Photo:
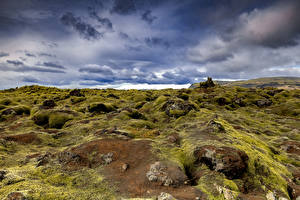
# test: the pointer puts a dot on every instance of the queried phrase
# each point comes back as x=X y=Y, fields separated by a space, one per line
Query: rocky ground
x=210 y=142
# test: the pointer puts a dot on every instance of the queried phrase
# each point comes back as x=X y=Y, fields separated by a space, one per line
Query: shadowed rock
x=229 y=161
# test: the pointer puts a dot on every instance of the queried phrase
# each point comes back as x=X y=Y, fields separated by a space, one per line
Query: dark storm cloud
x=102 y=20
x=149 y=41
x=123 y=7
x=14 y=62
x=3 y=54
x=86 y=30
x=148 y=17
x=53 y=65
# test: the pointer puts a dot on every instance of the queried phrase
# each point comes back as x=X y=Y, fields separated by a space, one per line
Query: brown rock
x=16 y=196
x=229 y=161
x=294 y=191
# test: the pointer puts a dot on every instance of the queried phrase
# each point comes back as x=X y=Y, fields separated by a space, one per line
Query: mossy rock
x=5 y=102
x=51 y=119
x=41 y=118
x=16 y=110
x=100 y=108
x=57 y=120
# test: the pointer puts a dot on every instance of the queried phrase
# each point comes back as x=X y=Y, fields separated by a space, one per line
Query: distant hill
x=277 y=82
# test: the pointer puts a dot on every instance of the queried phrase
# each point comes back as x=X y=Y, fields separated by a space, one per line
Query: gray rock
x=165 y=196
x=107 y=158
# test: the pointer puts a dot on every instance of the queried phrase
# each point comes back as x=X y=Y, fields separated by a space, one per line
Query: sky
x=146 y=43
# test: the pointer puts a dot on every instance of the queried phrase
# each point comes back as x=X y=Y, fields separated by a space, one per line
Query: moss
x=141 y=124
x=57 y=120
x=2 y=107
x=41 y=118
x=100 y=108
x=5 y=102
x=75 y=100
x=22 y=110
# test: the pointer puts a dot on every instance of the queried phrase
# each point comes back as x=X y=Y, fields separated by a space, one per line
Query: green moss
x=5 y=102
x=100 y=108
x=141 y=124
x=57 y=120
x=22 y=110
x=41 y=118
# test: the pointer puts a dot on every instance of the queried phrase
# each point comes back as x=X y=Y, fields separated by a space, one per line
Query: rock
x=16 y=196
x=124 y=167
x=263 y=103
x=107 y=158
x=207 y=84
x=112 y=96
x=166 y=175
x=177 y=108
x=291 y=147
x=216 y=126
x=66 y=157
x=240 y=102
x=76 y=93
x=8 y=111
x=270 y=196
x=229 y=161
x=43 y=159
x=2 y=175
x=228 y=194
x=294 y=191
x=174 y=138
x=165 y=196
x=49 y=104
x=112 y=131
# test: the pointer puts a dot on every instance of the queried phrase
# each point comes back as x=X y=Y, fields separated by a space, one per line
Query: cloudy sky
x=139 y=43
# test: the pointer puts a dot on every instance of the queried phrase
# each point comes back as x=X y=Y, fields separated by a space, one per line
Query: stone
x=166 y=175
x=216 y=126
x=66 y=157
x=228 y=194
x=107 y=158
x=76 y=93
x=177 y=108
x=124 y=167
x=229 y=161
x=165 y=196
x=2 y=175
x=16 y=196
x=263 y=103
x=270 y=196
x=49 y=104
x=294 y=191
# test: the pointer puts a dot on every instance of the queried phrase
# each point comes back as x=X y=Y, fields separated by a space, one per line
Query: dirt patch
x=27 y=138
x=125 y=165
x=291 y=147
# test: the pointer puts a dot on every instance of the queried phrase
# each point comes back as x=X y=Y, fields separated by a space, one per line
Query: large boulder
x=229 y=161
